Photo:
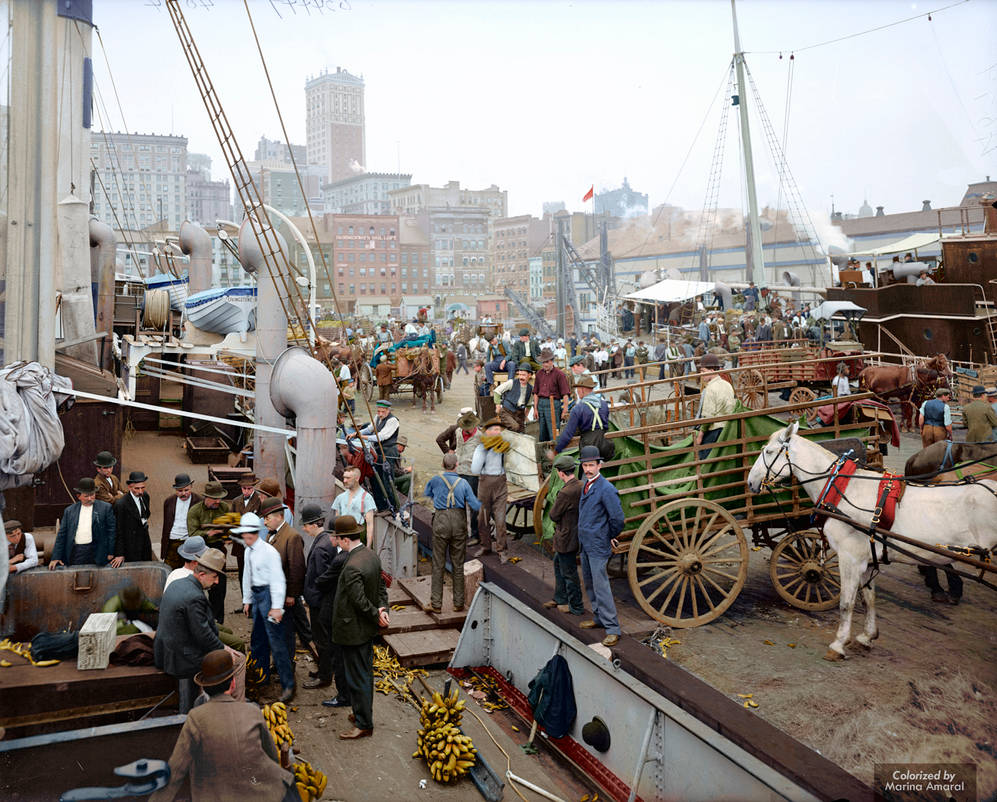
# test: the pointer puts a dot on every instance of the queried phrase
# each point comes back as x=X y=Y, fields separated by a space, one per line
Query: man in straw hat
x=224 y=750
x=200 y=520
x=187 y=630
x=264 y=591
x=551 y=392
x=108 y=485
x=175 y=510
x=86 y=530
x=131 y=513
x=360 y=610
x=600 y=521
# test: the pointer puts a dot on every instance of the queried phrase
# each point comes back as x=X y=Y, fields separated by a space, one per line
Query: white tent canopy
x=829 y=309
x=908 y=244
x=671 y=290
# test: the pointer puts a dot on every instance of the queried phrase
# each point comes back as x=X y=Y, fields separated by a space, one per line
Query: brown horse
x=423 y=378
x=906 y=383
x=947 y=457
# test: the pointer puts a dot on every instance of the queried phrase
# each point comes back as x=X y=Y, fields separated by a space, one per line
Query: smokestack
x=102 y=247
x=926 y=206
x=879 y=212
x=195 y=243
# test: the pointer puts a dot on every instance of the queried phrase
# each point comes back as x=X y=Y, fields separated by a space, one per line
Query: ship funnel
x=302 y=388
x=103 y=243
x=792 y=280
x=195 y=243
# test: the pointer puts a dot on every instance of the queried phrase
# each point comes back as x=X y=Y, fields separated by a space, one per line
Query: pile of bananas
x=276 y=718
x=449 y=753
x=489 y=694
x=496 y=443
x=22 y=650
x=387 y=669
x=228 y=519
x=311 y=782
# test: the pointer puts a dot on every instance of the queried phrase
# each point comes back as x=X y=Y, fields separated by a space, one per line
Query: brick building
x=334 y=123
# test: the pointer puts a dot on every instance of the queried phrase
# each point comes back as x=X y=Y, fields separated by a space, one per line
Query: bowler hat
x=214 y=490
x=192 y=548
x=86 y=485
x=136 y=477
x=596 y=734
x=105 y=459
x=11 y=525
x=347 y=526
x=524 y=332
x=526 y=367
x=589 y=454
x=216 y=667
x=182 y=480
x=564 y=463
x=546 y=355
x=271 y=504
x=978 y=389
x=213 y=559
x=248 y=480
x=312 y=514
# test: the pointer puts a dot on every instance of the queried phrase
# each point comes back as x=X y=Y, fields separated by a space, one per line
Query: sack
x=55 y=645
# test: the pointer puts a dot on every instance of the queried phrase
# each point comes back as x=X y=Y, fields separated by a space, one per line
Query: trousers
x=473 y=482
x=298 y=625
x=321 y=617
x=547 y=422
x=449 y=535
x=567 y=586
x=493 y=493
x=270 y=639
x=600 y=592
x=932 y=434
x=358 y=671
x=514 y=420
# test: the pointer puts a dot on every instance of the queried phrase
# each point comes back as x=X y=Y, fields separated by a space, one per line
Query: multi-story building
x=514 y=241
x=334 y=123
x=622 y=202
x=536 y=279
x=273 y=150
x=418 y=198
x=142 y=179
x=365 y=193
x=458 y=238
x=207 y=200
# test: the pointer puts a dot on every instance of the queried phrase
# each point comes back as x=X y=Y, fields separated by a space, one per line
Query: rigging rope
x=785 y=139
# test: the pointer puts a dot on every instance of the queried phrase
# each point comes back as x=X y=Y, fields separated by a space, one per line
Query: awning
x=671 y=290
x=905 y=245
x=829 y=309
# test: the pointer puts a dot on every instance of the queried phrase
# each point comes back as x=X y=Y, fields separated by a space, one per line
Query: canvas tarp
x=908 y=244
x=671 y=290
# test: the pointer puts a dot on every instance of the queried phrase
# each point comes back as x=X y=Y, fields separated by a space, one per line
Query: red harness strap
x=891 y=489
x=835 y=486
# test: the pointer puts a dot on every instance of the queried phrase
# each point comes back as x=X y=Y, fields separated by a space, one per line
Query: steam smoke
x=356 y=167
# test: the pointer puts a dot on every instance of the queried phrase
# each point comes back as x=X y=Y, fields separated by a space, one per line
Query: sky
x=546 y=98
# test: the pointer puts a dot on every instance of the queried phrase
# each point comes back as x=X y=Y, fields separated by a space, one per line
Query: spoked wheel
x=804 y=395
x=687 y=562
x=751 y=389
x=805 y=572
x=439 y=389
x=367 y=381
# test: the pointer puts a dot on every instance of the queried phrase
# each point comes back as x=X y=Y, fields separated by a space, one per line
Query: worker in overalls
x=452 y=498
x=589 y=419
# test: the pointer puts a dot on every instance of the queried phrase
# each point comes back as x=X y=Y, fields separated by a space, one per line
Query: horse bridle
x=783 y=447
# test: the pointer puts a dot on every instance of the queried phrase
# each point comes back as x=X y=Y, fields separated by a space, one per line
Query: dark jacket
x=187 y=629
x=564 y=514
x=600 y=517
x=447 y=439
x=552 y=697
x=291 y=549
x=320 y=557
x=518 y=351
x=360 y=594
x=169 y=514
x=132 y=541
x=102 y=528
x=328 y=581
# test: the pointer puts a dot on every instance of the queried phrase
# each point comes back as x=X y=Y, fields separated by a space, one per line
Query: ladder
x=278 y=266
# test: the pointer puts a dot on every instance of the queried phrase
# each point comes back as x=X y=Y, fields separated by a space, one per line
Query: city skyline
x=463 y=91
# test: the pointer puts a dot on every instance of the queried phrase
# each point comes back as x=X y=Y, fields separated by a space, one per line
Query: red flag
x=588 y=195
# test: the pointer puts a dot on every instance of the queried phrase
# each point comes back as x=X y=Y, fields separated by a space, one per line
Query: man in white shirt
x=175 y=510
x=263 y=596
x=86 y=530
x=356 y=501
x=189 y=551
x=717 y=400
x=21 y=552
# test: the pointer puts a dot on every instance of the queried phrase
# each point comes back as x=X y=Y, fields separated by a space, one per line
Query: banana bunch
x=311 y=782
x=448 y=753
x=24 y=651
x=276 y=718
x=228 y=519
x=254 y=671
x=496 y=443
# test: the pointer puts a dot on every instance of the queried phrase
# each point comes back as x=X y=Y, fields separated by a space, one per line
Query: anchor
x=147 y=776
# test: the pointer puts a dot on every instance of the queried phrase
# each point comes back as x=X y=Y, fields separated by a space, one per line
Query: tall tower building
x=334 y=123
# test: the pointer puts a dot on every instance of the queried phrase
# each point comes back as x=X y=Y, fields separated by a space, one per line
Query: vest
x=390 y=441
x=934 y=413
x=510 y=396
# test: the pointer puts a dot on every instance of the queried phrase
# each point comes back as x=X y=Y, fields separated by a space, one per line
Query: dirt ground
x=927 y=692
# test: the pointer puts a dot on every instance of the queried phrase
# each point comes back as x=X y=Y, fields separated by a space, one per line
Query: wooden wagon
x=804 y=368
x=403 y=361
x=686 y=515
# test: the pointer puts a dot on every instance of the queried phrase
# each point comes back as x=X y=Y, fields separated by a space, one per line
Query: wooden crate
x=97 y=638
x=206 y=450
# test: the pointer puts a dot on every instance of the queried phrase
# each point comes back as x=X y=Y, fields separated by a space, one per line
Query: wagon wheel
x=538 y=508
x=687 y=562
x=800 y=574
x=751 y=389
x=439 y=389
x=367 y=381
x=804 y=395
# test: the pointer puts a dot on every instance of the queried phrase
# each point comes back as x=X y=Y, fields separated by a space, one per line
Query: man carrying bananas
x=488 y=464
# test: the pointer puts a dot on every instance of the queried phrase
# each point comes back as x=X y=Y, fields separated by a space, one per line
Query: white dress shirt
x=138 y=503
x=30 y=553
x=84 y=528
x=177 y=573
x=262 y=567
x=179 y=530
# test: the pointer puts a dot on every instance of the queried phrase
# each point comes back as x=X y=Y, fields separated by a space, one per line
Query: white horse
x=958 y=515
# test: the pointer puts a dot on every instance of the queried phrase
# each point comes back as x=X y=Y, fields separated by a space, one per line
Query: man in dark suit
x=324 y=550
x=525 y=349
x=361 y=607
x=175 y=510
x=86 y=530
x=131 y=513
x=187 y=629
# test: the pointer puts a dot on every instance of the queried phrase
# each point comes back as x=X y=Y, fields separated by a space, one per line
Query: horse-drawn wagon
x=801 y=366
x=415 y=368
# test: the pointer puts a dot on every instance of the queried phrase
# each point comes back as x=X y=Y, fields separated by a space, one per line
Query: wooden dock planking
x=425 y=648
x=411 y=619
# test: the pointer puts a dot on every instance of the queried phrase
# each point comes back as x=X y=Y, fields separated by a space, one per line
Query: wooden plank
x=411 y=619
x=423 y=648
x=397 y=595
x=418 y=589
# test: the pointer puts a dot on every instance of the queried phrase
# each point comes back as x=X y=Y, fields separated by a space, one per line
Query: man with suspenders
x=589 y=419
x=452 y=496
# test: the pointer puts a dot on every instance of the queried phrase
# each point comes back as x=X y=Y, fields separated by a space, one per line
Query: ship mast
x=755 y=261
